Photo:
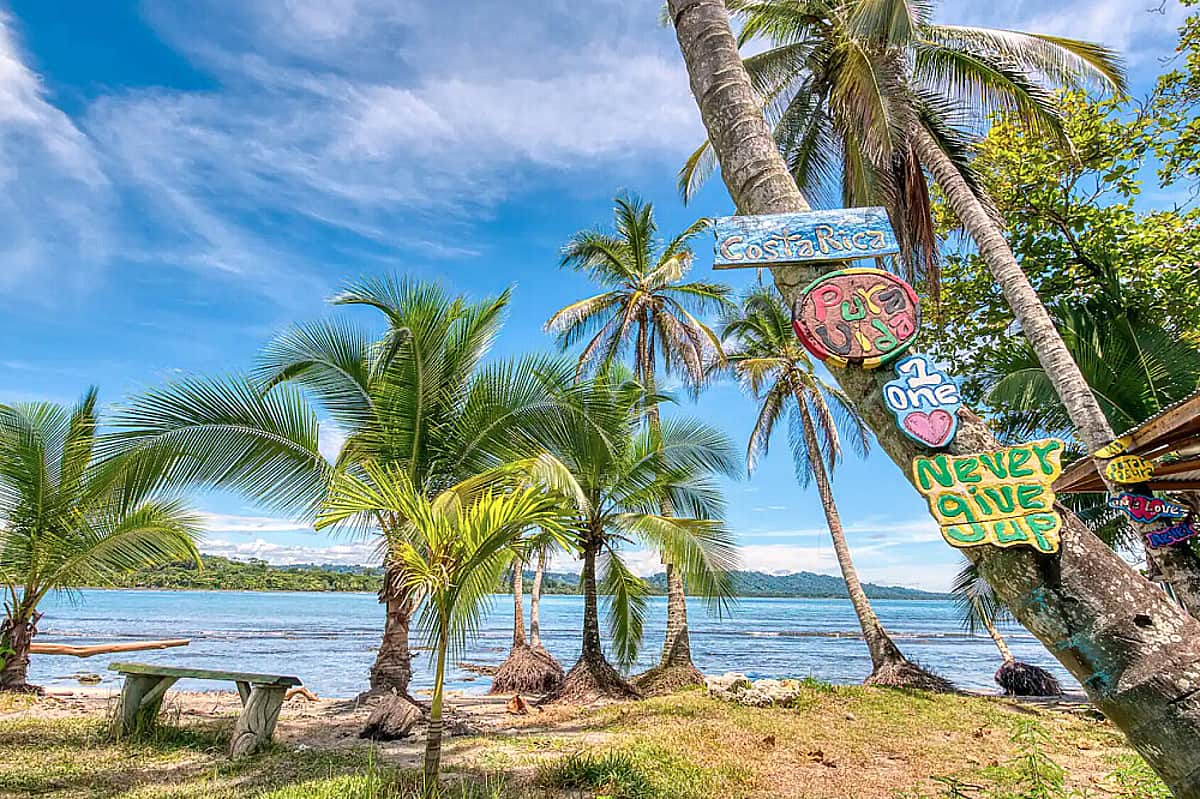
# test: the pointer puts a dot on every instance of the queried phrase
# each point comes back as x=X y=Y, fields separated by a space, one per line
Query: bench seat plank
x=150 y=669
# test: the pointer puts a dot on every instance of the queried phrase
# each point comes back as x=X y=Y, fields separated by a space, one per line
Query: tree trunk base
x=22 y=688
x=1022 y=679
x=528 y=670
x=588 y=681
x=662 y=680
x=908 y=675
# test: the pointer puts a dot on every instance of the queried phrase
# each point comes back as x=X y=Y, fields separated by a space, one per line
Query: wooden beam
x=204 y=674
x=104 y=649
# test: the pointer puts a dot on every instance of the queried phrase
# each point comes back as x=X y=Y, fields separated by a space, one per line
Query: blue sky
x=181 y=181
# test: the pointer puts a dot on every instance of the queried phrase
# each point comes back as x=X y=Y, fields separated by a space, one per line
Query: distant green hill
x=257 y=575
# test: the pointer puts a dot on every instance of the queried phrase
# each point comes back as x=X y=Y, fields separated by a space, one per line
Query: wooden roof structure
x=1170 y=440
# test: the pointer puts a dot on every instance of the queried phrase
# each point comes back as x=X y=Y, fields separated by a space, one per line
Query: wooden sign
x=924 y=400
x=842 y=235
x=1172 y=535
x=1129 y=469
x=1146 y=509
x=1002 y=498
x=864 y=317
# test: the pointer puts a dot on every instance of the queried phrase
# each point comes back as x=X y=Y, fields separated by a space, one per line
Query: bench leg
x=256 y=725
x=244 y=692
x=141 y=698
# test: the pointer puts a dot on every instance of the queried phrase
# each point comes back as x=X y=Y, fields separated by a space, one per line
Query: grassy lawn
x=836 y=742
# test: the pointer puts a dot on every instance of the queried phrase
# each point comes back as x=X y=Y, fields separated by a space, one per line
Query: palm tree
x=625 y=471
x=877 y=83
x=450 y=549
x=529 y=668
x=1136 y=368
x=645 y=306
x=775 y=369
x=69 y=518
x=979 y=609
x=1084 y=599
x=419 y=397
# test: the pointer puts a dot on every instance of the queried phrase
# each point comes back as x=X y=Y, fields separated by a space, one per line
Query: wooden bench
x=262 y=697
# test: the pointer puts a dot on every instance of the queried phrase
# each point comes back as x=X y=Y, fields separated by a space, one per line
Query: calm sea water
x=329 y=639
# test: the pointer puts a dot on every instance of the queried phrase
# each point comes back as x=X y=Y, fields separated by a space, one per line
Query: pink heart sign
x=932 y=429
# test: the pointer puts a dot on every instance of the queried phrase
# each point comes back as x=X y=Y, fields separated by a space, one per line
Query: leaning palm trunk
x=518 y=589
x=535 y=601
x=592 y=675
x=16 y=639
x=527 y=669
x=1130 y=647
x=889 y=666
x=433 y=738
x=392 y=669
x=1179 y=566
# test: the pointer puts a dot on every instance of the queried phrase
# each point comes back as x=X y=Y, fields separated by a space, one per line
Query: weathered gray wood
x=243 y=691
x=141 y=698
x=204 y=674
x=845 y=234
x=256 y=725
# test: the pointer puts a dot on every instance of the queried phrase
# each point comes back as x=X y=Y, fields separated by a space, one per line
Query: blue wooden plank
x=845 y=234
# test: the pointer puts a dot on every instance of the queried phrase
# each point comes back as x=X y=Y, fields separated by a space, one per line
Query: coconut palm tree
x=980 y=610
x=70 y=518
x=877 y=83
x=625 y=472
x=419 y=396
x=648 y=308
x=529 y=668
x=1084 y=599
x=450 y=550
x=772 y=367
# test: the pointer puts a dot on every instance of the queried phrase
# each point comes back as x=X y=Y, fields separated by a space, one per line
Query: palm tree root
x=669 y=679
x=589 y=680
x=1022 y=679
x=906 y=674
x=527 y=670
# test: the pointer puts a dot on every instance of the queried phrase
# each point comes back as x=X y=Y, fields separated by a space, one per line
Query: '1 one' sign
x=845 y=234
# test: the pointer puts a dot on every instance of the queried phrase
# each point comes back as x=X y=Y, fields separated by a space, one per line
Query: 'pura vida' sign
x=846 y=234
x=1004 y=498
x=864 y=317
x=924 y=400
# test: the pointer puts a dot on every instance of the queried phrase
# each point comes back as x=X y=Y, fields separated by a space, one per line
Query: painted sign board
x=1172 y=535
x=845 y=234
x=1146 y=509
x=1004 y=498
x=1129 y=469
x=864 y=317
x=924 y=400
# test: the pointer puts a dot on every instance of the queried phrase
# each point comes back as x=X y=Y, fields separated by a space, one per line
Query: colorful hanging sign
x=1146 y=509
x=1172 y=535
x=924 y=400
x=844 y=234
x=1129 y=469
x=864 y=317
x=1004 y=498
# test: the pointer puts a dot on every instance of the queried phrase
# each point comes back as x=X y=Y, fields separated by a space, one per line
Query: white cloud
x=355 y=554
x=233 y=523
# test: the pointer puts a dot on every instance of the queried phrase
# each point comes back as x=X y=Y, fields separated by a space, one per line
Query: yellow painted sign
x=1129 y=469
x=1003 y=498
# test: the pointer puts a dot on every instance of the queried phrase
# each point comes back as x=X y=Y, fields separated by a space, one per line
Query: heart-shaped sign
x=932 y=429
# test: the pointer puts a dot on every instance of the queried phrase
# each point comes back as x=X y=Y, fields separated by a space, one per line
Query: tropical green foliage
x=70 y=518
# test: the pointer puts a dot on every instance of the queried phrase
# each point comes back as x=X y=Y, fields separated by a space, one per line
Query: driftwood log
x=104 y=649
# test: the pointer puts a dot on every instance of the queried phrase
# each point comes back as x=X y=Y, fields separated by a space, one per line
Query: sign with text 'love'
x=924 y=400
x=1146 y=509
x=846 y=234
x=863 y=317
x=1003 y=498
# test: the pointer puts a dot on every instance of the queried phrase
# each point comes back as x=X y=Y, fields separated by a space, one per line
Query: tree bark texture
x=256 y=725
x=535 y=598
x=592 y=650
x=518 y=589
x=433 y=739
x=884 y=651
x=17 y=637
x=392 y=669
x=1135 y=653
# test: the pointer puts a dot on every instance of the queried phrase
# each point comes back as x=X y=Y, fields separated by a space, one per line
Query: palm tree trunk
x=677 y=644
x=433 y=738
x=998 y=639
x=1121 y=637
x=16 y=637
x=1179 y=565
x=535 y=598
x=592 y=652
x=392 y=669
x=884 y=652
x=518 y=589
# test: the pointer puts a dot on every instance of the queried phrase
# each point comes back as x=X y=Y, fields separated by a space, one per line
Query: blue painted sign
x=1146 y=509
x=924 y=400
x=846 y=234
x=1172 y=535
